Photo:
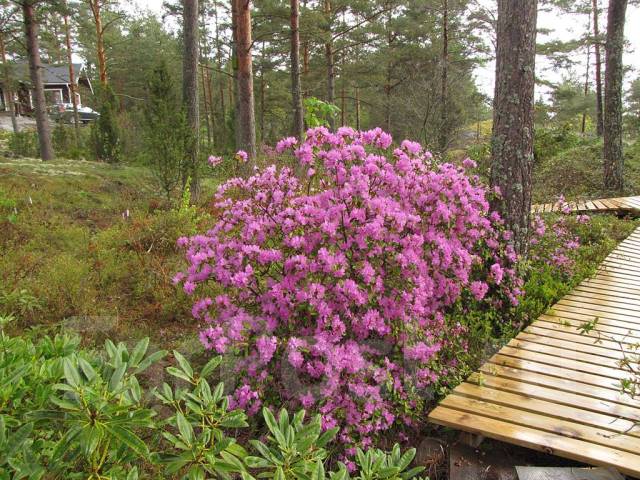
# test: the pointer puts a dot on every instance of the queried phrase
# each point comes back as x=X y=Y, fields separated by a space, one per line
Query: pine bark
x=613 y=158
x=72 y=78
x=512 y=142
x=9 y=94
x=96 y=10
x=596 y=34
x=190 y=88
x=296 y=87
x=35 y=71
x=443 y=139
x=330 y=59
x=245 y=79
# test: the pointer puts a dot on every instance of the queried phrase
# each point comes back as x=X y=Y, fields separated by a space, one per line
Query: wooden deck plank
x=556 y=387
x=580 y=431
x=535 y=439
x=608 y=422
x=621 y=204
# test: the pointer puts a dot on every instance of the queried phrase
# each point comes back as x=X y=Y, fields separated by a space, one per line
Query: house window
x=53 y=96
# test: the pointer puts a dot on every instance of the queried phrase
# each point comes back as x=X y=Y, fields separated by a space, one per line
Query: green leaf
x=327 y=437
x=138 y=352
x=129 y=438
x=133 y=474
x=185 y=428
x=210 y=366
x=176 y=372
x=412 y=473
x=406 y=458
x=116 y=377
x=150 y=360
x=318 y=472
x=71 y=374
x=87 y=369
x=16 y=440
x=184 y=364
x=196 y=472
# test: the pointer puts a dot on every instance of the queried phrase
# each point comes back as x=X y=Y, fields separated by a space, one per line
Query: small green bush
x=80 y=414
x=24 y=144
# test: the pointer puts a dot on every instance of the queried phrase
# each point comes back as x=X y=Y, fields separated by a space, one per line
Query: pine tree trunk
x=443 y=139
x=102 y=59
x=234 y=92
x=358 y=108
x=35 y=70
x=296 y=88
x=330 y=59
x=596 y=34
x=245 y=79
x=512 y=142
x=613 y=159
x=72 y=79
x=190 y=89
x=583 y=126
x=9 y=102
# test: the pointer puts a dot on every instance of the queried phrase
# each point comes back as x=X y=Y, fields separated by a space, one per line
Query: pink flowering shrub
x=336 y=288
x=556 y=245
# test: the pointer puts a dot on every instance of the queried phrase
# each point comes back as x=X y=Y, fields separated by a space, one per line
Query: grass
x=91 y=245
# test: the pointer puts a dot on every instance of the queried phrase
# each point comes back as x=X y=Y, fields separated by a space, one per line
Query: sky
x=561 y=27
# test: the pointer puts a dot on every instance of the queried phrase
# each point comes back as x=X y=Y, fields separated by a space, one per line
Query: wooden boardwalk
x=621 y=205
x=556 y=390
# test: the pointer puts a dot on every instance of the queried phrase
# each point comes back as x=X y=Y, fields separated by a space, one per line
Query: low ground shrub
x=24 y=144
x=68 y=412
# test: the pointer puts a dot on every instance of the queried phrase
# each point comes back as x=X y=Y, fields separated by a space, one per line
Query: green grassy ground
x=92 y=245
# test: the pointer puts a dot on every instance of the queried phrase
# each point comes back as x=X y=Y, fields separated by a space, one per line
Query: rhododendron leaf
x=185 y=428
x=87 y=369
x=150 y=360
x=246 y=476
x=116 y=378
x=327 y=437
x=387 y=472
x=184 y=364
x=71 y=374
x=257 y=462
x=234 y=420
x=176 y=372
x=196 y=472
x=283 y=420
x=218 y=392
x=298 y=419
x=318 y=471
x=270 y=420
x=412 y=473
x=406 y=458
x=210 y=366
x=138 y=352
x=264 y=451
x=279 y=475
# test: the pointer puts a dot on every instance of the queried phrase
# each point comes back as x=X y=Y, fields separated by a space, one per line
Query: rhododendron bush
x=336 y=287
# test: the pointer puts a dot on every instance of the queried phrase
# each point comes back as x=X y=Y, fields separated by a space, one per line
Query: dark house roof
x=52 y=74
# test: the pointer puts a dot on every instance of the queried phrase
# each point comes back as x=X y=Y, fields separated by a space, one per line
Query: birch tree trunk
x=512 y=142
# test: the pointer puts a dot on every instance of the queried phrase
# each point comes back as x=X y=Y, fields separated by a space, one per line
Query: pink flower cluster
x=555 y=245
x=336 y=287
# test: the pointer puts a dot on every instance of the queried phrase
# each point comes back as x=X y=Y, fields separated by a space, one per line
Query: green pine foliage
x=166 y=131
x=105 y=133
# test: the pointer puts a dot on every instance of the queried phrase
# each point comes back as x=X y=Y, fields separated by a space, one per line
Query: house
x=57 y=86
